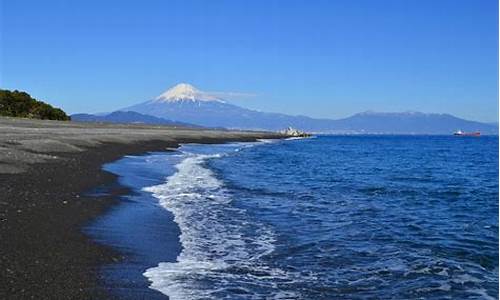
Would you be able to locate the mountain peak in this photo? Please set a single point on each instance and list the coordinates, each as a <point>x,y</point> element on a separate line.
<point>183,92</point>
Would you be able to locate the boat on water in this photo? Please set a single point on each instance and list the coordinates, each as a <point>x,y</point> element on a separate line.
<point>462,133</point>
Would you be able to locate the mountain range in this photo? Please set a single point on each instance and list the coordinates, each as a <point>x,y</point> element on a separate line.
<point>185,104</point>
<point>128,117</point>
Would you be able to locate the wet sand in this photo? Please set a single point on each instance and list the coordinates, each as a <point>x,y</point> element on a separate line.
<point>46,168</point>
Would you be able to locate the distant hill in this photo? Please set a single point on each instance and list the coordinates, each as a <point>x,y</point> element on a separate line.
<point>185,103</point>
<point>410,123</point>
<point>127,117</point>
<point>21,104</point>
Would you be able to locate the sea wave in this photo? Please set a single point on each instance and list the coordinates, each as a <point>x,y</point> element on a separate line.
<point>222,245</point>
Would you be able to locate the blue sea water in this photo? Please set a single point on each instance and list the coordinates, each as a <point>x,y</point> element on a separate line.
<point>332,217</point>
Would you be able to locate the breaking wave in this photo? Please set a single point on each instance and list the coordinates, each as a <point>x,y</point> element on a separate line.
<point>222,245</point>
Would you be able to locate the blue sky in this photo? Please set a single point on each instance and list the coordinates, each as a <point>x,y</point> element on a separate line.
<point>318,58</point>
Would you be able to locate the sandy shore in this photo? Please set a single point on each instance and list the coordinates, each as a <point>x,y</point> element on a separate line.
<point>45,169</point>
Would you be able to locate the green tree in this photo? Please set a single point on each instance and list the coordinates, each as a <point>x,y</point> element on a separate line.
<point>22,105</point>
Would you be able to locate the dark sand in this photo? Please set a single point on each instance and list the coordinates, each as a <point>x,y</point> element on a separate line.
<point>46,168</point>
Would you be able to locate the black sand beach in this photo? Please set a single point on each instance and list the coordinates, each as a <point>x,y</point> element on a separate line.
<point>46,168</point>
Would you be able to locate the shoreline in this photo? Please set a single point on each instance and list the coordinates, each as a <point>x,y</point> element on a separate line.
<point>137,226</point>
<point>44,205</point>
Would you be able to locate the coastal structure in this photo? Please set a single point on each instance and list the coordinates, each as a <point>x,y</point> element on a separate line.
<point>292,132</point>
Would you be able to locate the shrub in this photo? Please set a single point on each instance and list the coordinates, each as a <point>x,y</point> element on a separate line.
<point>21,104</point>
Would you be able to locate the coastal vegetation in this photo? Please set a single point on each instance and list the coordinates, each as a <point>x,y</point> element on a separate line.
<point>21,104</point>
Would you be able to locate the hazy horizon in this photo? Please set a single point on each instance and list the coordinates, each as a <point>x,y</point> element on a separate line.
<point>222,96</point>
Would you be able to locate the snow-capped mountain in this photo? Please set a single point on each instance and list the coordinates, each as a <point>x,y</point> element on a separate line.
<point>184,92</point>
<point>185,103</point>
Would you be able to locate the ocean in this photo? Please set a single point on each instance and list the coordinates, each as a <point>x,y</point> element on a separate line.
<point>329,217</point>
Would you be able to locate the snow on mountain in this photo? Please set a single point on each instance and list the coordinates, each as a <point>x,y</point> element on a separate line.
<point>185,103</point>
<point>185,92</point>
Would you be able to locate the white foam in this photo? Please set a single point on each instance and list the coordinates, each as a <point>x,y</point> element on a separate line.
<point>222,245</point>
<point>293,138</point>
<point>269,141</point>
